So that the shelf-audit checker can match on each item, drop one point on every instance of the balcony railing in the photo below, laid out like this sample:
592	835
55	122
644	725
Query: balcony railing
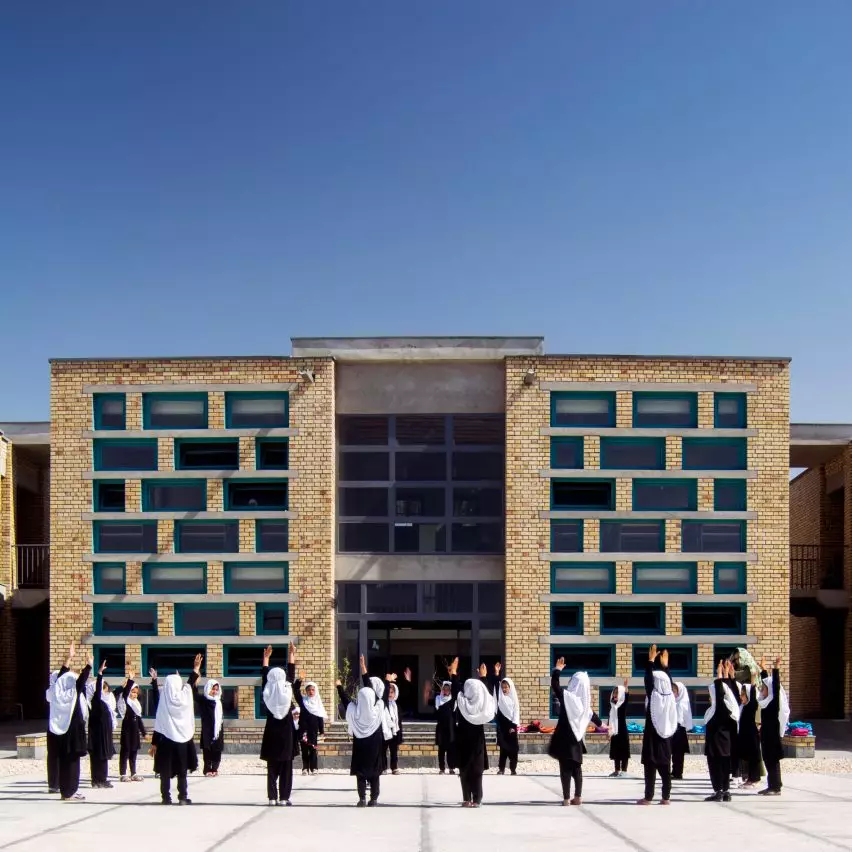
33	566
816	566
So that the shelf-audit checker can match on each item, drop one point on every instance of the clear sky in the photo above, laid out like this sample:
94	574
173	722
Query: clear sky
208	177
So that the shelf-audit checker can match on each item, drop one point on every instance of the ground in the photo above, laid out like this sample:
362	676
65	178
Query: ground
420	811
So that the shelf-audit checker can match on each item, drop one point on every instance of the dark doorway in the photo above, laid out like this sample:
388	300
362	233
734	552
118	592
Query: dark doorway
832	640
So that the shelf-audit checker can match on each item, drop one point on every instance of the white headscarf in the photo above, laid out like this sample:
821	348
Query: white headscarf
313	704
662	703
364	716
217	709
133	703
441	700
577	698
378	687
731	704
51	682
294	715
509	705
621	697
475	702
783	704
175	712
392	711
109	699
62	702
684	710
278	692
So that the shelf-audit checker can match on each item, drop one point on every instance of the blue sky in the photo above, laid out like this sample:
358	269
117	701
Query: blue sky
618	176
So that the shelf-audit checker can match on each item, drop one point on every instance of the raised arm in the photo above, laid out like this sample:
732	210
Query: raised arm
555	686
453	672
297	690
195	673
345	700
291	662
82	680
483	674
494	680
128	686
776	683
69	661
264	672
390	678
649	670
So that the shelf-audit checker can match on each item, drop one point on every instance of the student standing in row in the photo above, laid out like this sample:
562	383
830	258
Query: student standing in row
508	719
311	723
393	726
445	729
660	725
101	726
748	738
209	706
51	744
132	730
619	737
721	718
774	715
680	740
279	734
474	709
69	711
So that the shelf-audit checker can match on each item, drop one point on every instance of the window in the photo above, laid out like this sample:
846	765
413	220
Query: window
714	453
113	655
207	455
271	537
729	578
665	578
418	501
583	577
122	537
668	495
125	455
271	619
730	411
363	430
203	619
633	618
713	618
476	502
421	467
245	495
349	597
109	496
364	467
713	536
478	538
634	702
109	410
730	495
447	597
262	578
422	429
477	467
478	429
186	495
178	578
391	597
665	410
492	597
566	453
272	454
724	652
207	536
125	618
597	660
247	660
632	536
367	502
683	661
582	494
108	578
174	411
566	536
566	619
170	659
363	538
256	410
633	453
582	409
410	537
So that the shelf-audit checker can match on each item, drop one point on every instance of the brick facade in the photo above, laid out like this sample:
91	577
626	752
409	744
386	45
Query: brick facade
8	665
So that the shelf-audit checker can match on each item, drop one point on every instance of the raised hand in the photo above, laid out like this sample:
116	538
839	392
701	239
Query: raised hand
778	662
483	670
407	674
720	670
130	674
763	664
291	653
453	667
301	674
338	683
652	653
560	663
664	658
625	682
89	660
196	667
152	673
102	669
391	677
267	653
363	664
497	668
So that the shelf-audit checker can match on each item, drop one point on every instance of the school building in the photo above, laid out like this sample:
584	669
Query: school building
409	499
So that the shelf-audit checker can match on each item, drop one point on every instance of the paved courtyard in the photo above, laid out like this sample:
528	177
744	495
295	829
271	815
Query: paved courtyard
420	812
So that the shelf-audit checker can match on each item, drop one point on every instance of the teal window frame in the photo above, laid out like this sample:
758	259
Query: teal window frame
266	442
577	524
576	442
98	485
148	568
556	396
231	396
742	487
99	526
587	508
148	484
742	414
228	583
576	566
261	480
99	610
659	608
98	447
257	524
691	484
743	525
661	532
98	400
692	398
148	398
556	651
659	444
556	631
97	582
692	671
741	569
179	525
181	609
190	649
741	607
279	658
115	656
740	443
179	442
638	567
261	609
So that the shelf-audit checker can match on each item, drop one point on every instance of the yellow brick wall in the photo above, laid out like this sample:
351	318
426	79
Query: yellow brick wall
8	577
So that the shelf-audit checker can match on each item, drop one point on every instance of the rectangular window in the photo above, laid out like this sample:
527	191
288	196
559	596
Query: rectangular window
108	578
633	536
357	430
447	597
349	597
109	496
271	537
421	467
566	619
272	454
714	453
713	536
207	455
171	659
271	619
178	578
478	429
483	466
583	577
730	411
730	495
566	536
365	502
491	597
634	703
261	578
724	652
668	495
358	466
113	655
109	410
246	496
391	597
202	619
582	409
118	619
665	578
207	536
477	502
247	660
174	411
410	537
418	502
256	410
714	618
125	455
420	429
122	537
665	410
597	660
729	578
633	618
478	538
633	453
683	661
185	495
363	538
582	494
566	453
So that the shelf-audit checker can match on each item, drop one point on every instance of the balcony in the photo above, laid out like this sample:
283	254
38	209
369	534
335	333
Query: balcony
33	566
816	578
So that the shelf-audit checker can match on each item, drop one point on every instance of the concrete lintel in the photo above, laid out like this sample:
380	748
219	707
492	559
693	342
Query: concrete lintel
629	432
626	473
190	474
155	558
207	639
136	434
654	387
416	348
566	515
188	516
193	599
587	556
399	567
192	387
646	598
660	639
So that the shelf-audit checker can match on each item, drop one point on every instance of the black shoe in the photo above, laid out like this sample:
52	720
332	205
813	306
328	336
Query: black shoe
726	797
514	772
440	772
677	777
288	803
362	803
501	771
107	785
372	803
166	801
184	801
716	797
53	789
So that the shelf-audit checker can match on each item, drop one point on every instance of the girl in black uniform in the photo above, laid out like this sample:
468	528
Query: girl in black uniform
619	738
69	711
474	709
393	723
774	715
445	729
212	741
311	723
132	730
101	726
721	718
660	726
279	734
680	741
748	737
508	719
52	753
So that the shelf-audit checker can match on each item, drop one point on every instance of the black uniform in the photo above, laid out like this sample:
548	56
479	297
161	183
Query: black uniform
656	750
718	742
770	734
392	745
174	759
211	745
311	728
72	745
619	744
445	730
471	753
507	733
132	731
53	752
366	763
735	686
748	740
100	746
278	746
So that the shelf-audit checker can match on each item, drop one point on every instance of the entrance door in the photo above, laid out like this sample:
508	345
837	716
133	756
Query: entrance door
832	635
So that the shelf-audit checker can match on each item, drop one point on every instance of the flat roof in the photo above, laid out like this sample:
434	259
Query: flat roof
773	359
813	444
414	348
27	431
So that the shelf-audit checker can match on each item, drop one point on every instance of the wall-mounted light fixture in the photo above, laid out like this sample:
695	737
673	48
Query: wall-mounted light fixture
307	374
529	377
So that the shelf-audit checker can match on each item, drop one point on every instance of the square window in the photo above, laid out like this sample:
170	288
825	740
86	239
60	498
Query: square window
256	577
482	537
566	536
247	496
179	496
714	453
730	495
665	578
448	597
683	661
125	455
391	597
729	578
178	578
491	597
272	537
272	454
478	430
247	660
716	618
566	453
358	466
113	655
566	619
582	409
256	410
633	453
108	578
597	660
632	536
665	410
358	430
203	619
170	659
349	597
365	502
582	494
109	410
122	537
271	619
359	537
420	429
476	502
418	502
174	411
125	618
207	537
582	577
730	411
633	618
421	467
668	495
410	537
109	496
713	536
486	466
207	455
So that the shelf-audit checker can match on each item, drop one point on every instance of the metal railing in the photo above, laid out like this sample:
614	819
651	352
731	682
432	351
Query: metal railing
33	566
817	566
